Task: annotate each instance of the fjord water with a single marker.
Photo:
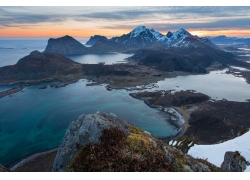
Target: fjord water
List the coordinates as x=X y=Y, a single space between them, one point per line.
x=108 y=58
x=36 y=119
x=13 y=50
x=216 y=84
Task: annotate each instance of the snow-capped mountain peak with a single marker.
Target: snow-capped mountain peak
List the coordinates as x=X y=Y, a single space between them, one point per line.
x=137 y=31
x=181 y=34
x=157 y=35
x=142 y=36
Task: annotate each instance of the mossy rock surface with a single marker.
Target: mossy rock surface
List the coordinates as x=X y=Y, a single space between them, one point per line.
x=138 y=151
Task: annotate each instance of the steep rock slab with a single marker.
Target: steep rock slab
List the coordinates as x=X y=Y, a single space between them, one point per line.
x=86 y=129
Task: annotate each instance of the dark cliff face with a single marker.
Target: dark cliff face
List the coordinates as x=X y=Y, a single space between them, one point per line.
x=65 y=45
x=40 y=66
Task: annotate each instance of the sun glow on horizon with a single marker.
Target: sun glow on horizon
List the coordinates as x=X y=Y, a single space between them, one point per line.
x=53 y=32
x=227 y=32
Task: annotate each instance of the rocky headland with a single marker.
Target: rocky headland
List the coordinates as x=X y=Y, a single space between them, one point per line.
x=10 y=91
x=240 y=73
x=41 y=67
x=207 y=122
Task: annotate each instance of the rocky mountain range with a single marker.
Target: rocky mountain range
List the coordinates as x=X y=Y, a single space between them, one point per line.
x=139 y=38
x=175 y=51
x=143 y=37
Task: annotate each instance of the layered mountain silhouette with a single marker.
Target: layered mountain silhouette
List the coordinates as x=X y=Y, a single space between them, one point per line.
x=175 y=51
x=139 y=38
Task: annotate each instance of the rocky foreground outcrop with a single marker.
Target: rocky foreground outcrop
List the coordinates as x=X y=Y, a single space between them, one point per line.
x=102 y=142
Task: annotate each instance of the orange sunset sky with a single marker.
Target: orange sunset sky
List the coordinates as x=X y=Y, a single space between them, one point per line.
x=86 y=21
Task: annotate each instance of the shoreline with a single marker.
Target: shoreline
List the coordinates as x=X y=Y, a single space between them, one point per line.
x=179 y=124
x=29 y=158
x=186 y=117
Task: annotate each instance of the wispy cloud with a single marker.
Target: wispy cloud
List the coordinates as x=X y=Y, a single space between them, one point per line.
x=159 y=18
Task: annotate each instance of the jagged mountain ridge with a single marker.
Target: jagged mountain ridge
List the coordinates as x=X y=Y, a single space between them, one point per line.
x=143 y=37
x=139 y=38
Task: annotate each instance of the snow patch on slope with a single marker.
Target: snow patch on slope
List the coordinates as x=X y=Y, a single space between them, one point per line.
x=215 y=153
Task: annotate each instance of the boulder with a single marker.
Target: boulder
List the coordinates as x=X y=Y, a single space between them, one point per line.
x=234 y=162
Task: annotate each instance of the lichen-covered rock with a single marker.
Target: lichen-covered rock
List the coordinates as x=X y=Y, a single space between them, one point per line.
x=234 y=162
x=101 y=142
x=86 y=129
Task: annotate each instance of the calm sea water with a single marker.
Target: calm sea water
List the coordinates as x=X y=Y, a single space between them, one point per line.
x=13 y=50
x=108 y=58
x=216 y=84
x=36 y=120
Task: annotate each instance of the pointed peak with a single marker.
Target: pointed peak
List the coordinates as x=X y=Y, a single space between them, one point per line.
x=152 y=30
x=182 y=33
x=169 y=34
x=140 y=27
x=182 y=30
x=66 y=36
x=138 y=30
